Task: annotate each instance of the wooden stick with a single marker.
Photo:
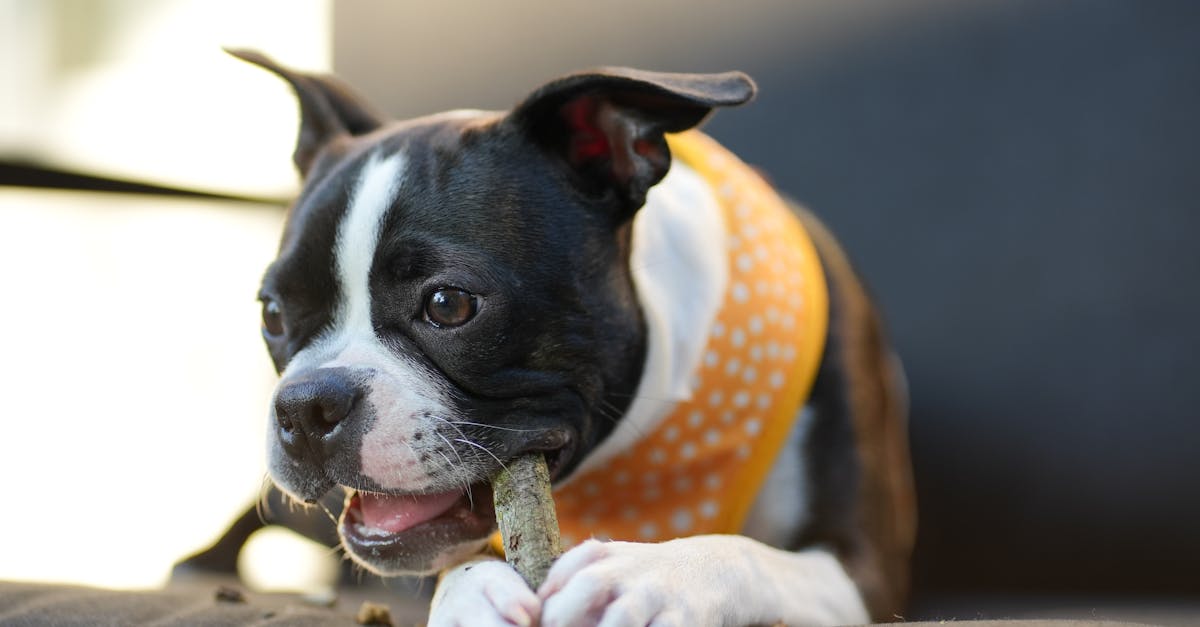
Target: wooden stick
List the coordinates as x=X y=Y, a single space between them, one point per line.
x=525 y=513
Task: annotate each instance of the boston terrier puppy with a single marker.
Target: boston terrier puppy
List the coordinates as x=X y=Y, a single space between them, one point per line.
x=586 y=277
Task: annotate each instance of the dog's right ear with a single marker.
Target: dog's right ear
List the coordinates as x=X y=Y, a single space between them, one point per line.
x=328 y=108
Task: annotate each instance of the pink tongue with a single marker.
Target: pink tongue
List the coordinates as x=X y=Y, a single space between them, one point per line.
x=394 y=514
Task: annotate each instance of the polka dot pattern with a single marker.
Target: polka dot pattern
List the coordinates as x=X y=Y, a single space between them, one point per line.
x=699 y=471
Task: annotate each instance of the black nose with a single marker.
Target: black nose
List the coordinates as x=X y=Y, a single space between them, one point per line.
x=310 y=409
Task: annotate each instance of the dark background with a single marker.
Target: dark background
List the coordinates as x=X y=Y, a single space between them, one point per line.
x=1018 y=183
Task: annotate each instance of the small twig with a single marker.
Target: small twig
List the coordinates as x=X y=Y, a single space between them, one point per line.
x=374 y=614
x=525 y=513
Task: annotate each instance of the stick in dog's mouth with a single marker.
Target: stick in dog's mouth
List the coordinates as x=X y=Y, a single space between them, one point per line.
x=403 y=533
x=525 y=512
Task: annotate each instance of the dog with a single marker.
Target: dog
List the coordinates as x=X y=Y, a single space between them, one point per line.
x=588 y=277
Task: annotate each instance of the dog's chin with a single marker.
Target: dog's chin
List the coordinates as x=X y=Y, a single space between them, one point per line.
x=411 y=534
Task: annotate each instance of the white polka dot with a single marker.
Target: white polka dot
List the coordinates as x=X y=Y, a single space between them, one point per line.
x=764 y=400
x=733 y=242
x=727 y=416
x=718 y=329
x=732 y=366
x=687 y=451
x=648 y=531
x=762 y=287
x=788 y=321
x=744 y=262
x=591 y=489
x=776 y=379
x=755 y=325
x=713 y=481
x=727 y=190
x=749 y=374
x=753 y=426
x=772 y=314
x=789 y=353
x=712 y=437
x=741 y=399
x=743 y=451
x=740 y=292
x=762 y=253
x=658 y=456
x=750 y=231
x=671 y=433
x=714 y=399
x=737 y=338
x=696 y=418
x=795 y=301
x=742 y=210
x=709 y=509
x=693 y=383
x=629 y=513
x=683 y=483
x=772 y=349
x=711 y=358
x=621 y=477
x=589 y=520
x=651 y=493
x=650 y=478
x=756 y=352
x=681 y=521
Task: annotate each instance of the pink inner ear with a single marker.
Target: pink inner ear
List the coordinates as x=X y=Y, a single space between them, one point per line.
x=587 y=140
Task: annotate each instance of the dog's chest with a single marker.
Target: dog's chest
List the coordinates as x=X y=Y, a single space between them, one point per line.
x=693 y=464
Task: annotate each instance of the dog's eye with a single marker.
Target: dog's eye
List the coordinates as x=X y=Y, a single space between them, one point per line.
x=450 y=307
x=272 y=316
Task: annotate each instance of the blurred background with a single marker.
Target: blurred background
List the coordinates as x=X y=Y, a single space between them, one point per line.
x=1018 y=181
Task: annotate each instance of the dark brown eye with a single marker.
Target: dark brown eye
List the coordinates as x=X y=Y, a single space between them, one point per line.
x=450 y=307
x=272 y=316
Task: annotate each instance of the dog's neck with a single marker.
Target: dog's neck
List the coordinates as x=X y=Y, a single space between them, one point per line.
x=680 y=271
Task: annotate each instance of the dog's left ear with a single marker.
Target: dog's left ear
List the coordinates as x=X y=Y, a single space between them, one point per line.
x=328 y=108
x=608 y=125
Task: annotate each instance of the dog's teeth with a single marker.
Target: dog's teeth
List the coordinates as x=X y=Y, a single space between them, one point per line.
x=369 y=531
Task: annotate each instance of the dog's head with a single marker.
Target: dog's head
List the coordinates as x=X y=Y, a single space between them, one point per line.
x=454 y=291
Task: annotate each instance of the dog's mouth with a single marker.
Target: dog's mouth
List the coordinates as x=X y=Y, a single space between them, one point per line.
x=419 y=533
x=406 y=532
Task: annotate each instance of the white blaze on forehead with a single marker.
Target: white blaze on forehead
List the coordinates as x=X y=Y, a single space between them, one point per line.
x=358 y=237
x=374 y=192
x=401 y=392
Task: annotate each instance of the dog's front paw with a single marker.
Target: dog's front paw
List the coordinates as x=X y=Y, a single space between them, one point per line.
x=624 y=583
x=484 y=593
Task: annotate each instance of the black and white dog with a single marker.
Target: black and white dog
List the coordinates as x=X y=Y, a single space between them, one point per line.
x=457 y=290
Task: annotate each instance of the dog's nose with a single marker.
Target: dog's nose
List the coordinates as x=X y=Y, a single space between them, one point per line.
x=310 y=408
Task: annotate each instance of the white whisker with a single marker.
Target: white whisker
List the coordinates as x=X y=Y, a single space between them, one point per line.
x=486 y=426
x=484 y=449
x=462 y=464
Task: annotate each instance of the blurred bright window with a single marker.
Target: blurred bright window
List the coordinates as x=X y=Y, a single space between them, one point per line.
x=135 y=382
x=140 y=89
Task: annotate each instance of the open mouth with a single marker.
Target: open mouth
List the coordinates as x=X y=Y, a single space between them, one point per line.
x=407 y=532
x=415 y=533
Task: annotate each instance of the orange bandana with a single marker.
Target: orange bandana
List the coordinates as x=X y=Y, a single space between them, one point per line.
x=700 y=469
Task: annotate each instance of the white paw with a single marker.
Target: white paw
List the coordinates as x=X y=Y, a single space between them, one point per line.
x=615 y=584
x=484 y=593
x=697 y=581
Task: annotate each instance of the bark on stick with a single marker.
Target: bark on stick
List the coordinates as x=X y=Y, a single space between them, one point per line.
x=525 y=513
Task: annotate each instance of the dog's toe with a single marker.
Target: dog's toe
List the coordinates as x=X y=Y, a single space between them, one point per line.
x=484 y=593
